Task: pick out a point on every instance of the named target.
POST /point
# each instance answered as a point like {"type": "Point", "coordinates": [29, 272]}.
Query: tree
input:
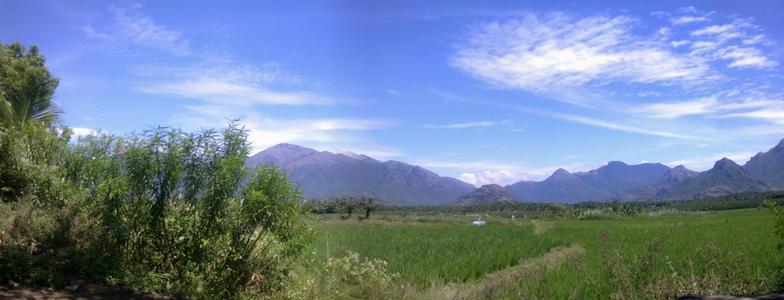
{"type": "Point", "coordinates": [368, 204]}
{"type": "Point", "coordinates": [26, 87]}
{"type": "Point", "coordinates": [346, 204]}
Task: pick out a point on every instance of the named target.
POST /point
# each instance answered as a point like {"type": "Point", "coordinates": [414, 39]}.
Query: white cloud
{"type": "Point", "coordinates": [771, 114]}
{"type": "Point", "coordinates": [687, 10]}
{"type": "Point", "coordinates": [672, 110]}
{"type": "Point", "coordinates": [130, 26]}
{"type": "Point", "coordinates": [492, 177]}
{"type": "Point", "coordinates": [575, 118]}
{"type": "Point", "coordinates": [725, 32]}
{"type": "Point", "coordinates": [480, 172]}
{"type": "Point", "coordinates": [265, 131]}
{"type": "Point", "coordinates": [477, 124]}
{"type": "Point", "coordinates": [219, 90]}
{"type": "Point", "coordinates": [746, 57]}
{"type": "Point", "coordinates": [626, 128]}
{"type": "Point", "coordinates": [767, 110]}
{"type": "Point", "coordinates": [755, 40]}
{"type": "Point", "coordinates": [738, 41]}
{"type": "Point", "coordinates": [689, 19]}
{"type": "Point", "coordinates": [83, 131]}
{"type": "Point", "coordinates": [544, 52]}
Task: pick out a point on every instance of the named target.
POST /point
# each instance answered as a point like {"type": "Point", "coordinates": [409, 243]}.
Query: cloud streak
{"type": "Point", "coordinates": [130, 26]}
{"type": "Point", "coordinates": [477, 124]}
{"type": "Point", "coordinates": [245, 93]}
{"type": "Point", "coordinates": [545, 52]}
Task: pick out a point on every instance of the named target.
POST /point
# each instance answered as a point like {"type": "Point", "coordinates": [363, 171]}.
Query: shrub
{"type": "Point", "coordinates": [163, 210]}
{"type": "Point", "coordinates": [346, 277]}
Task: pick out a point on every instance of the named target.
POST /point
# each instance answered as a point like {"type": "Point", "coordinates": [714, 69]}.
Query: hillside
{"type": "Point", "coordinates": [726, 177]}
{"type": "Point", "coordinates": [325, 174]}
{"type": "Point", "coordinates": [605, 183]}
{"type": "Point", "coordinates": [486, 194]}
{"type": "Point", "coordinates": [768, 166]}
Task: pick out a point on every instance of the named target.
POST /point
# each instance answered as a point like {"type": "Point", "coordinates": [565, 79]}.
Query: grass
{"type": "Point", "coordinates": [426, 253]}
{"type": "Point", "coordinates": [684, 244]}
{"type": "Point", "coordinates": [721, 252]}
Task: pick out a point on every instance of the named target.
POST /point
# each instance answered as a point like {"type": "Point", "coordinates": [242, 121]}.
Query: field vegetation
{"type": "Point", "coordinates": [648, 255]}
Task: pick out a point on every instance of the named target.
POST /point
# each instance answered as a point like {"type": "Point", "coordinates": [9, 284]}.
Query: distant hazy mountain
{"type": "Point", "coordinates": [324, 174]}
{"type": "Point", "coordinates": [673, 176]}
{"type": "Point", "coordinates": [606, 183]}
{"type": "Point", "coordinates": [562, 186]}
{"type": "Point", "coordinates": [768, 166]}
{"type": "Point", "coordinates": [676, 175]}
{"type": "Point", "coordinates": [726, 177]}
{"type": "Point", "coordinates": [487, 194]}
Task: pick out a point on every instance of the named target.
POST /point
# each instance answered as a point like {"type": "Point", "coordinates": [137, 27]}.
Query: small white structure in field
{"type": "Point", "coordinates": [479, 222]}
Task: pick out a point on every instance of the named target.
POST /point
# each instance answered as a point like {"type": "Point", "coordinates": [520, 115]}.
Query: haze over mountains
{"type": "Point", "coordinates": [324, 174]}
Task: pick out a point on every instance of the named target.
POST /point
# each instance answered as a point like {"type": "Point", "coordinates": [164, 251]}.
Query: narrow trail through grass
{"type": "Point", "coordinates": [489, 286]}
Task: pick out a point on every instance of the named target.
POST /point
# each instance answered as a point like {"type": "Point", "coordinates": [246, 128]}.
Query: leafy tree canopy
{"type": "Point", "coordinates": [26, 86]}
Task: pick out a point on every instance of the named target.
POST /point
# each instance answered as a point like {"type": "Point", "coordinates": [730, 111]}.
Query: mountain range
{"type": "Point", "coordinates": [324, 174]}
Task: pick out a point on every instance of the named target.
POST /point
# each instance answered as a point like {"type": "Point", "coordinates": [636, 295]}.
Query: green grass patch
{"type": "Point", "coordinates": [648, 256]}
{"type": "Point", "coordinates": [423, 253]}
{"type": "Point", "coordinates": [736, 249]}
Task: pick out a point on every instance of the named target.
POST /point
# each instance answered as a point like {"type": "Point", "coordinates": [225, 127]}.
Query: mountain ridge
{"type": "Point", "coordinates": [325, 174]}
{"type": "Point", "coordinates": [321, 174]}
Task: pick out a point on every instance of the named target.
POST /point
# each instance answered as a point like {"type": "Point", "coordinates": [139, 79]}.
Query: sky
{"type": "Point", "coordinates": [487, 92]}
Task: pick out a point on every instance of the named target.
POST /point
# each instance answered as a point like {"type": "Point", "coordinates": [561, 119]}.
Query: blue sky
{"type": "Point", "coordinates": [496, 91]}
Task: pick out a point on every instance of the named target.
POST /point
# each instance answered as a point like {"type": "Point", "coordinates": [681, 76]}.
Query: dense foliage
{"type": "Point", "coordinates": [164, 210]}
{"type": "Point", "coordinates": [26, 86]}
{"type": "Point", "coordinates": [347, 205]}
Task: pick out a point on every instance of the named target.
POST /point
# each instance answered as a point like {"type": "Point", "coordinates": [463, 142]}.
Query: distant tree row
{"type": "Point", "coordinates": [347, 205]}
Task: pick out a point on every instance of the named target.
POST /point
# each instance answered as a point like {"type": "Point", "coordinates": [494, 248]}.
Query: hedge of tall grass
{"type": "Point", "coordinates": [167, 211]}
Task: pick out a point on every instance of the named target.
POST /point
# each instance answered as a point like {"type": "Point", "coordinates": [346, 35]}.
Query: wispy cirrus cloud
{"type": "Point", "coordinates": [574, 118]}
{"type": "Point", "coordinates": [762, 110]}
{"type": "Point", "coordinates": [544, 52]}
{"type": "Point", "coordinates": [219, 79]}
{"type": "Point", "coordinates": [681, 20]}
{"type": "Point", "coordinates": [688, 68]}
{"type": "Point", "coordinates": [770, 114]}
{"type": "Point", "coordinates": [463, 125]}
{"type": "Point", "coordinates": [265, 131]}
{"type": "Point", "coordinates": [670, 110]}
{"type": "Point", "coordinates": [216, 89]}
{"type": "Point", "coordinates": [213, 88]}
{"type": "Point", "coordinates": [553, 53]}
{"type": "Point", "coordinates": [128, 25]}
{"type": "Point", "coordinates": [626, 128]}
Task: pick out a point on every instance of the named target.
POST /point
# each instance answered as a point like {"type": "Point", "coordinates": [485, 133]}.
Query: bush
{"type": "Point", "coordinates": [346, 277]}
{"type": "Point", "coordinates": [162, 210]}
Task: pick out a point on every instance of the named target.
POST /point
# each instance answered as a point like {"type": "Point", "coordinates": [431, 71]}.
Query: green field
{"type": "Point", "coordinates": [721, 252]}
{"type": "Point", "coordinates": [425, 253]}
